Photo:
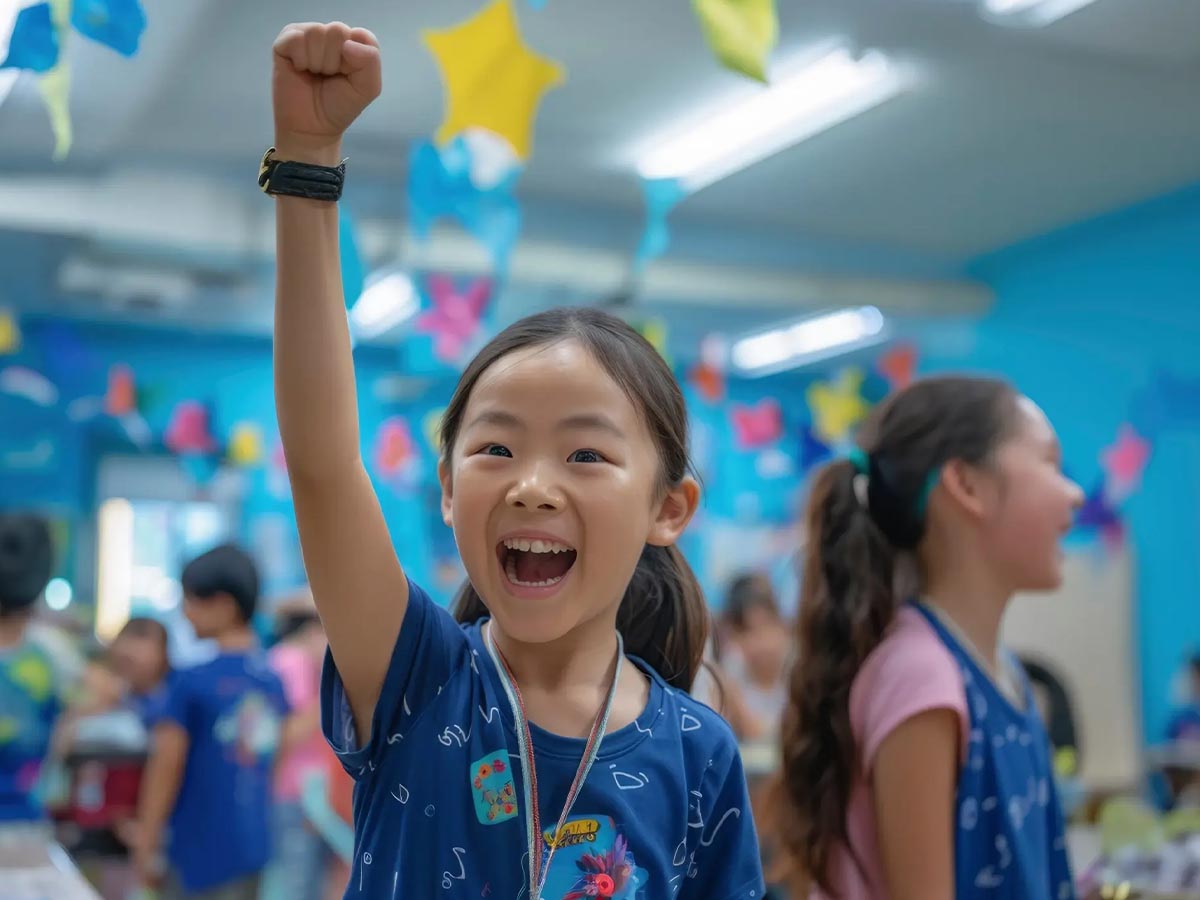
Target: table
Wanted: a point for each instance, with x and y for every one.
(34, 867)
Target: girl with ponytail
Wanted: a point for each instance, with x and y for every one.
(915, 764)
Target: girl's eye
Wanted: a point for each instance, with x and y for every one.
(497, 450)
(586, 456)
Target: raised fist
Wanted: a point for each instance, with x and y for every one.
(325, 75)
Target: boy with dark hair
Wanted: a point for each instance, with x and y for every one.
(210, 769)
(30, 686)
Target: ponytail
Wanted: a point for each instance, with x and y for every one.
(663, 617)
(847, 603)
(865, 514)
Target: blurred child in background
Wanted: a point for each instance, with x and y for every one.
(213, 750)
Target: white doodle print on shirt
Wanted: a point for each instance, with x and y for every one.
(688, 722)
(707, 841)
(968, 815)
(626, 781)
(695, 816)
(362, 870)
(988, 878)
(490, 714)
(454, 735)
(403, 796)
(448, 878)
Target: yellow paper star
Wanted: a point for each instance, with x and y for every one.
(10, 333)
(742, 33)
(246, 444)
(838, 406)
(34, 674)
(492, 79)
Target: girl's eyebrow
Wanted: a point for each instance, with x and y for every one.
(577, 422)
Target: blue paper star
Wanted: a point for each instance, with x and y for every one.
(34, 41)
(115, 23)
(440, 186)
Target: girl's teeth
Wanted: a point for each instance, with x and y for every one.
(535, 546)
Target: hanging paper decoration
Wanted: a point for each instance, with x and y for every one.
(491, 160)
(19, 381)
(655, 332)
(55, 85)
(455, 316)
(441, 184)
(121, 399)
(899, 365)
(491, 78)
(34, 43)
(661, 195)
(431, 428)
(10, 333)
(83, 408)
(20, 455)
(115, 23)
(188, 430)
(773, 464)
(199, 467)
(1124, 461)
(245, 444)
(837, 406)
(757, 425)
(708, 381)
(137, 429)
(396, 457)
(1099, 516)
(354, 275)
(813, 451)
(741, 33)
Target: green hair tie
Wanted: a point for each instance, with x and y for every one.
(860, 460)
(931, 481)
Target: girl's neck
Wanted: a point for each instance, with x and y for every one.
(975, 606)
(564, 683)
(583, 656)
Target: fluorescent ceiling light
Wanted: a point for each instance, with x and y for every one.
(809, 340)
(388, 299)
(1031, 13)
(800, 102)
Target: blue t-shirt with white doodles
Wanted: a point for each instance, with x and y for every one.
(437, 805)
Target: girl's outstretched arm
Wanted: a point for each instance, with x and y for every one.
(324, 76)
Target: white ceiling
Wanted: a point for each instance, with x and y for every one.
(1009, 133)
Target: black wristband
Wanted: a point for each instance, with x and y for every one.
(297, 179)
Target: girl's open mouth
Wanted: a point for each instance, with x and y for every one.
(535, 563)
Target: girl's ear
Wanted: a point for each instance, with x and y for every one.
(674, 512)
(447, 491)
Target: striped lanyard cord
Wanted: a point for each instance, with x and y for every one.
(533, 819)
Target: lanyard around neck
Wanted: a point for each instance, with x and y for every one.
(537, 869)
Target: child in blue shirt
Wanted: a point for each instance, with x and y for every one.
(542, 746)
(30, 685)
(209, 774)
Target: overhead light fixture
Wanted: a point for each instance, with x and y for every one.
(809, 340)
(802, 100)
(1031, 13)
(389, 299)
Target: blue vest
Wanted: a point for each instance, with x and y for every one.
(1009, 840)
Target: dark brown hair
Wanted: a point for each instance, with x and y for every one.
(663, 616)
(747, 592)
(849, 594)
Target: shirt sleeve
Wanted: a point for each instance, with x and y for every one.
(176, 704)
(430, 649)
(910, 673)
(727, 863)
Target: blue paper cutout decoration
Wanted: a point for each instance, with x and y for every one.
(115, 23)
(813, 451)
(440, 186)
(661, 195)
(537, 4)
(354, 275)
(34, 41)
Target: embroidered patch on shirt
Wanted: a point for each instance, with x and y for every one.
(493, 789)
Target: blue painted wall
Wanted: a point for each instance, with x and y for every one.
(1100, 323)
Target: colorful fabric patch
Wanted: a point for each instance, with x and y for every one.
(493, 789)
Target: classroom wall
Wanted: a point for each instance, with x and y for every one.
(1100, 324)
